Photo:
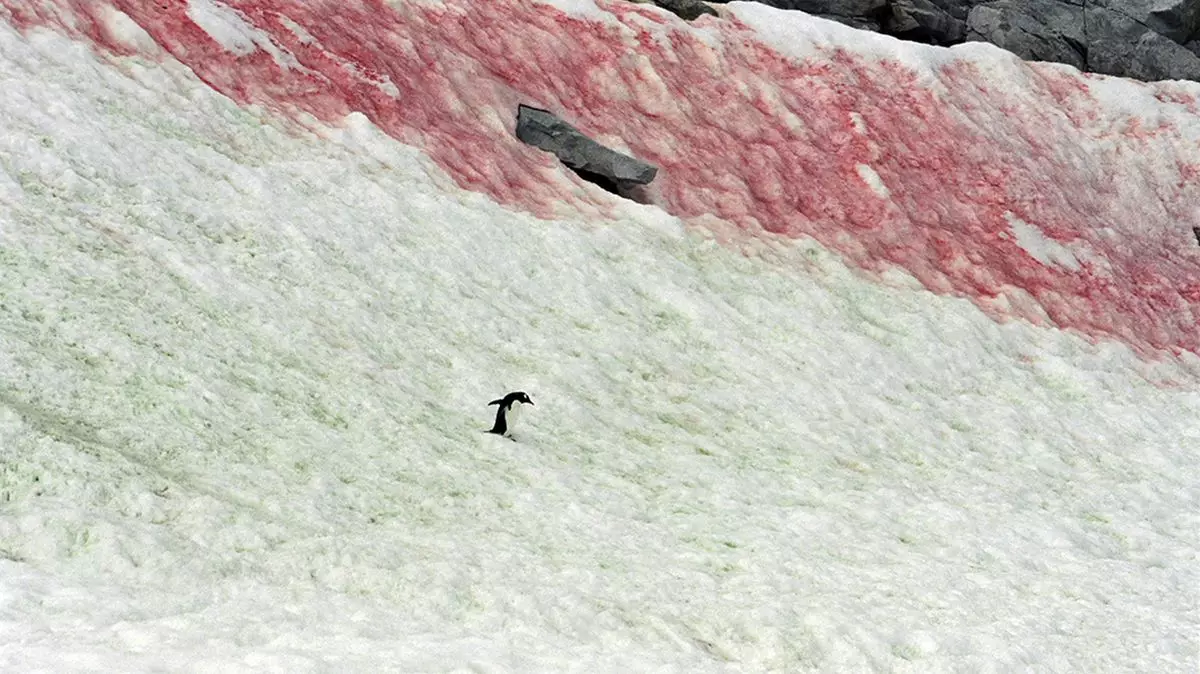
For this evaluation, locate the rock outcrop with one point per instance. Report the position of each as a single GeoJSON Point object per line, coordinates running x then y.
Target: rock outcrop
{"type": "Point", "coordinates": [1143, 39]}
{"type": "Point", "coordinates": [1035, 30]}
{"type": "Point", "coordinates": [1147, 45]}
{"type": "Point", "coordinates": [688, 10]}
{"type": "Point", "coordinates": [615, 172]}
{"type": "Point", "coordinates": [924, 21]}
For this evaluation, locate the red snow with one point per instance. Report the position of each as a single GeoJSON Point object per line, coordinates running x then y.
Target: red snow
{"type": "Point", "coordinates": [752, 136]}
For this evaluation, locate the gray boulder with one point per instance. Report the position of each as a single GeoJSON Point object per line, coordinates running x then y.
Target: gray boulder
{"type": "Point", "coordinates": [610, 169]}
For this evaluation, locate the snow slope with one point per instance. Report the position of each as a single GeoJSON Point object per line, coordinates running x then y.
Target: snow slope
{"type": "Point", "coordinates": [897, 372]}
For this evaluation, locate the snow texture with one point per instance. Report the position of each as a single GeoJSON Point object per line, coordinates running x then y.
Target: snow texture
{"type": "Point", "coordinates": [897, 372]}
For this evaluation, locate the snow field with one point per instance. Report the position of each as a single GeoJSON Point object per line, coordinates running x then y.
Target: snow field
{"type": "Point", "coordinates": [243, 375]}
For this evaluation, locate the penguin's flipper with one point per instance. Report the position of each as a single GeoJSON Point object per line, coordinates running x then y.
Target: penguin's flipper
{"type": "Point", "coordinates": [496, 402]}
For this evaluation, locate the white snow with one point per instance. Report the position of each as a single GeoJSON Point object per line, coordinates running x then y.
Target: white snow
{"type": "Point", "coordinates": [583, 9]}
{"type": "Point", "coordinates": [126, 31]}
{"type": "Point", "coordinates": [233, 32]}
{"type": "Point", "coordinates": [244, 375]}
{"type": "Point", "coordinates": [860, 124]}
{"type": "Point", "coordinates": [872, 179]}
{"type": "Point", "coordinates": [1039, 246]}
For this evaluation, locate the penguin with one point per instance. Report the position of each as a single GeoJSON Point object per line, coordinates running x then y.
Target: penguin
{"type": "Point", "coordinates": [510, 409]}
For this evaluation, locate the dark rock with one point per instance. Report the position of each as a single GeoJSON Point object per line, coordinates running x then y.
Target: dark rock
{"type": "Point", "coordinates": [1196, 231]}
{"type": "Point", "coordinates": [1121, 45]}
{"type": "Point", "coordinates": [924, 21]}
{"type": "Point", "coordinates": [1035, 30]}
{"type": "Point", "coordinates": [1178, 20]}
{"type": "Point", "coordinates": [1157, 58]}
{"type": "Point", "coordinates": [958, 9]}
{"type": "Point", "coordinates": [853, 21]}
{"type": "Point", "coordinates": [688, 10]}
{"type": "Point", "coordinates": [593, 162]}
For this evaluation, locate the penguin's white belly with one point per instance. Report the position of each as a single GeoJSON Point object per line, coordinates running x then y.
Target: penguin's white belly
{"type": "Point", "coordinates": [512, 416]}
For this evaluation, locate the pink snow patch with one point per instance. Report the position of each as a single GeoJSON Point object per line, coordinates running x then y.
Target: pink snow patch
{"type": "Point", "coordinates": [1027, 197]}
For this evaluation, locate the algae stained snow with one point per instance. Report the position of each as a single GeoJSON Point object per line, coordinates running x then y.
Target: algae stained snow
{"type": "Point", "coordinates": [243, 376]}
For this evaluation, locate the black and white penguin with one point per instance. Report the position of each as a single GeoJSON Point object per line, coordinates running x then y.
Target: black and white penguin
{"type": "Point", "coordinates": [510, 409]}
